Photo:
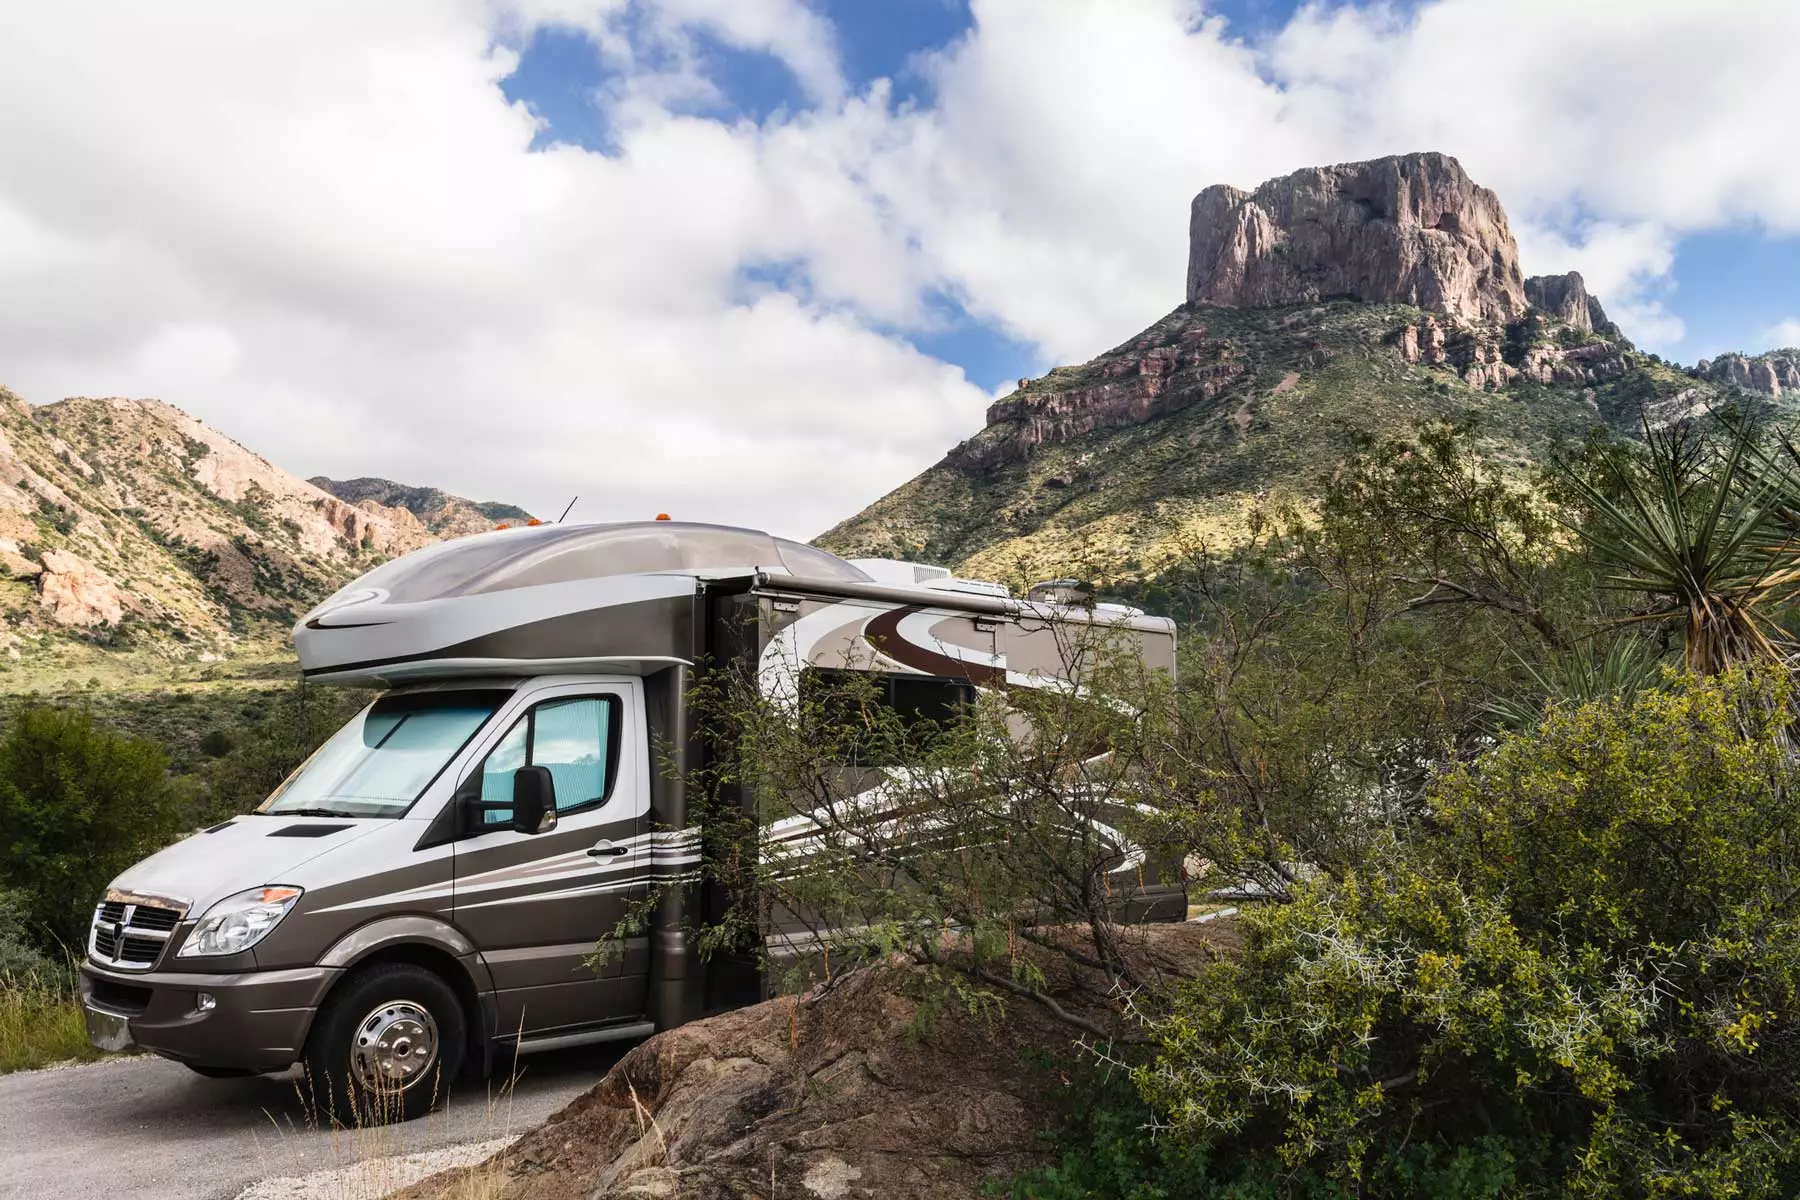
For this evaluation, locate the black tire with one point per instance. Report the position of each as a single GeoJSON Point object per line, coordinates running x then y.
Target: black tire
{"type": "Point", "coordinates": [384, 1047]}
{"type": "Point", "coordinates": [221, 1072]}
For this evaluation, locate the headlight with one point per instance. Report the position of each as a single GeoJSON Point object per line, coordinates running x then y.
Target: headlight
{"type": "Point", "coordinates": [238, 922]}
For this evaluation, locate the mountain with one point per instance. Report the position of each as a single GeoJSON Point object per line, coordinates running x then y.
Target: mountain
{"type": "Point", "coordinates": [1322, 307]}
{"type": "Point", "coordinates": [129, 525]}
{"type": "Point", "coordinates": [445, 515]}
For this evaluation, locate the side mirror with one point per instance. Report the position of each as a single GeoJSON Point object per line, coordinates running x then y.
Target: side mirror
{"type": "Point", "coordinates": [534, 800]}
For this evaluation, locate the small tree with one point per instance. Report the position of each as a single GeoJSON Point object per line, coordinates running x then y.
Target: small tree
{"type": "Point", "coordinates": [962, 842]}
{"type": "Point", "coordinates": [78, 803]}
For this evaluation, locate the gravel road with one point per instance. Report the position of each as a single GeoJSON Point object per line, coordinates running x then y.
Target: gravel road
{"type": "Point", "coordinates": [142, 1128]}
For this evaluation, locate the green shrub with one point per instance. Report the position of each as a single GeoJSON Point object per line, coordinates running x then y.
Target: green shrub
{"type": "Point", "coordinates": [1587, 982]}
{"type": "Point", "coordinates": [78, 803]}
{"type": "Point", "coordinates": [19, 955]}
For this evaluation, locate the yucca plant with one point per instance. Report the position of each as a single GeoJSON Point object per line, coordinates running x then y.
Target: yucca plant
{"type": "Point", "coordinates": [1616, 669]}
{"type": "Point", "coordinates": [1702, 526]}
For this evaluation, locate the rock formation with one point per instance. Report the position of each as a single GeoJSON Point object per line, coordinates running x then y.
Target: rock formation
{"type": "Point", "coordinates": [1770, 373]}
{"type": "Point", "coordinates": [440, 512]}
{"type": "Point", "coordinates": [847, 1094]}
{"type": "Point", "coordinates": [1134, 383]}
{"type": "Point", "coordinates": [74, 592]}
{"type": "Point", "coordinates": [118, 507]}
{"type": "Point", "coordinates": [1410, 229]}
{"type": "Point", "coordinates": [1566, 298]}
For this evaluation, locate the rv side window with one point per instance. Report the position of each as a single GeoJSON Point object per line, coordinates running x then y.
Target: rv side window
{"type": "Point", "coordinates": [576, 738]}
{"type": "Point", "coordinates": [882, 720]}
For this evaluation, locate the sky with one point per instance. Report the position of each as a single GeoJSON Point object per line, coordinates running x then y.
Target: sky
{"type": "Point", "coordinates": [761, 261]}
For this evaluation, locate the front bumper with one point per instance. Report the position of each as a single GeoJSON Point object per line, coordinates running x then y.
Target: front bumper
{"type": "Point", "coordinates": [258, 1020]}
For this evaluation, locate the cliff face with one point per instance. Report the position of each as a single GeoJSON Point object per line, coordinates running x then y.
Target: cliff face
{"type": "Point", "coordinates": [1412, 229]}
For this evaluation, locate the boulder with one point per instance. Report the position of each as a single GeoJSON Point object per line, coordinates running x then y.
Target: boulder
{"type": "Point", "coordinates": [869, 1089]}
{"type": "Point", "coordinates": [1409, 229]}
{"type": "Point", "coordinates": [13, 560]}
{"type": "Point", "coordinates": [74, 592]}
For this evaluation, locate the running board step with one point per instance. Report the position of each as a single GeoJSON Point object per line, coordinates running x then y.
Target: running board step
{"type": "Point", "coordinates": [587, 1037]}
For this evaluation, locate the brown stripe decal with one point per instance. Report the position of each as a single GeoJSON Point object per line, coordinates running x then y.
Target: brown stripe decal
{"type": "Point", "coordinates": [883, 633]}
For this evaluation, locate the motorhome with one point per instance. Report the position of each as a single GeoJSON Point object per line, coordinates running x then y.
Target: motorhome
{"type": "Point", "coordinates": [426, 891]}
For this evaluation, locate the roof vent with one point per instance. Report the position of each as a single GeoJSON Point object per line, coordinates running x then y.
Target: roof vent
{"type": "Point", "coordinates": [1061, 591]}
{"type": "Point", "coordinates": [974, 587]}
{"type": "Point", "coordinates": [892, 570]}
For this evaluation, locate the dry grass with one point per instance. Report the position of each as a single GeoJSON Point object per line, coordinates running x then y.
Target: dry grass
{"type": "Point", "coordinates": [485, 1182]}
{"type": "Point", "coordinates": [370, 1161]}
{"type": "Point", "coordinates": [41, 1022]}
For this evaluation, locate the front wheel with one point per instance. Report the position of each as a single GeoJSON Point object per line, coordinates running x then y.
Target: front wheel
{"type": "Point", "coordinates": [384, 1047]}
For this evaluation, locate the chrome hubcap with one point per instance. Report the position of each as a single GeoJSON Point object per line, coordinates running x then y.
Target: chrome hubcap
{"type": "Point", "coordinates": [394, 1046]}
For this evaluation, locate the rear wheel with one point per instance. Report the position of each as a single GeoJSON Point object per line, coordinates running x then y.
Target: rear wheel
{"type": "Point", "coordinates": [385, 1046]}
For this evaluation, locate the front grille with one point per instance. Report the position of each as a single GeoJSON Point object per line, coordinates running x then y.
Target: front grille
{"type": "Point", "coordinates": [132, 933]}
{"type": "Point", "coordinates": [158, 920]}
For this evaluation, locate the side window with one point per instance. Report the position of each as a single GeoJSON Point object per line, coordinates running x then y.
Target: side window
{"type": "Point", "coordinates": [576, 738]}
{"type": "Point", "coordinates": [858, 710]}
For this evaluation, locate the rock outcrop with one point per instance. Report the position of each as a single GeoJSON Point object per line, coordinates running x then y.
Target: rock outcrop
{"type": "Point", "coordinates": [440, 512]}
{"type": "Point", "coordinates": [1410, 229]}
{"type": "Point", "coordinates": [1565, 297]}
{"type": "Point", "coordinates": [132, 509]}
{"type": "Point", "coordinates": [73, 592]}
{"type": "Point", "coordinates": [1138, 381]}
{"type": "Point", "coordinates": [855, 1093]}
{"type": "Point", "coordinates": [1771, 373]}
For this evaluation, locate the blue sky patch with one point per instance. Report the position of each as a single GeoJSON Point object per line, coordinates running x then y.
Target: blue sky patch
{"type": "Point", "coordinates": [1731, 286]}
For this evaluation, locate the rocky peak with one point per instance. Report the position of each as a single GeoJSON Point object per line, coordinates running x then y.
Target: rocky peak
{"type": "Point", "coordinates": [1566, 298]}
{"type": "Point", "coordinates": [1769, 373]}
{"type": "Point", "coordinates": [440, 512]}
{"type": "Point", "coordinates": [1409, 229]}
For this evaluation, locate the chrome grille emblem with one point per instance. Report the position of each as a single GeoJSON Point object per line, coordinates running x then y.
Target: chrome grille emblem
{"type": "Point", "coordinates": [130, 932]}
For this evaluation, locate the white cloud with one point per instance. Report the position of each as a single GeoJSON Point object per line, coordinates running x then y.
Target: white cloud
{"type": "Point", "coordinates": [321, 226]}
{"type": "Point", "coordinates": [328, 237]}
{"type": "Point", "coordinates": [1784, 334]}
{"type": "Point", "coordinates": [1049, 182]}
{"type": "Point", "coordinates": [1627, 266]}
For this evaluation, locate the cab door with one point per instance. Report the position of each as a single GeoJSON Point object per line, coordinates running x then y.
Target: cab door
{"type": "Point", "coordinates": [537, 905]}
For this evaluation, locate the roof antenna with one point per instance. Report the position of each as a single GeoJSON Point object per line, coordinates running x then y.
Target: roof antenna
{"type": "Point", "coordinates": [565, 511]}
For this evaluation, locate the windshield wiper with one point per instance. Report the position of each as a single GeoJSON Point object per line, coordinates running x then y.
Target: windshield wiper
{"type": "Point", "coordinates": [309, 812]}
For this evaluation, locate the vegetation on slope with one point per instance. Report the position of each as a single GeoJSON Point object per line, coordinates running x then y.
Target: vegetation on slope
{"type": "Point", "coordinates": [1124, 500]}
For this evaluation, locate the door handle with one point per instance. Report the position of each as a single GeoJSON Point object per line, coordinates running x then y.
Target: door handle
{"type": "Point", "coordinates": [605, 849]}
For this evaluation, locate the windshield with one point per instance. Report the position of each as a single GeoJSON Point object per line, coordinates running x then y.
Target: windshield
{"type": "Point", "coordinates": [388, 754]}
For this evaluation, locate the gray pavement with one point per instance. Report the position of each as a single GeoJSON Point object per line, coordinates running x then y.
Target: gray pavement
{"type": "Point", "coordinates": [142, 1128]}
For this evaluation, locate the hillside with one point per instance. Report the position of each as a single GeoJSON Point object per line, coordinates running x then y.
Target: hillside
{"type": "Point", "coordinates": [1330, 305]}
{"type": "Point", "coordinates": [132, 535]}
{"type": "Point", "coordinates": [444, 515]}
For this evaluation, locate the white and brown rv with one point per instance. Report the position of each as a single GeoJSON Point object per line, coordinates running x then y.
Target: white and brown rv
{"type": "Point", "coordinates": [427, 889]}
